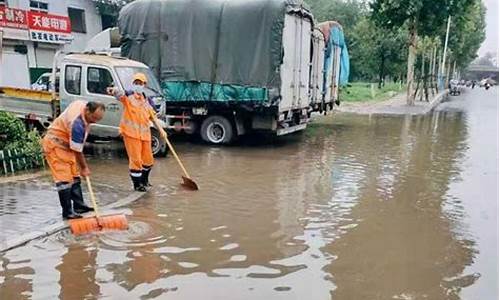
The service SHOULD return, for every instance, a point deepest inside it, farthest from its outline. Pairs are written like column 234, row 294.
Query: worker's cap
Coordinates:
column 140, row 77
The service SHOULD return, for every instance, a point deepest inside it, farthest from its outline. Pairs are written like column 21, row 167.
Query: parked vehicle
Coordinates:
column 42, row 83
column 238, row 67
column 454, row 87
column 84, row 76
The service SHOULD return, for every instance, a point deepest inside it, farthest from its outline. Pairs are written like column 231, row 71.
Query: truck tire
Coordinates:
column 217, row 130
column 158, row 146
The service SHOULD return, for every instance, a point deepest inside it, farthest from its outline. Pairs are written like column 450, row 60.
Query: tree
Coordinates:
column 423, row 17
column 109, row 10
column 467, row 32
column 348, row 13
column 488, row 59
column 377, row 52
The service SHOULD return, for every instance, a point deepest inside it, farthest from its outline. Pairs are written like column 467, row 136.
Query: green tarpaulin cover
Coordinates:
column 215, row 50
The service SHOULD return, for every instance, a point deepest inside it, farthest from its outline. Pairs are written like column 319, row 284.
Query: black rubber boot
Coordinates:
column 77, row 196
column 145, row 176
column 137, row 180
column 64, row 191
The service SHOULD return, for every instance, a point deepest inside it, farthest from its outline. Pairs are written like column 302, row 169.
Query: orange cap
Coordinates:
column 140, row 77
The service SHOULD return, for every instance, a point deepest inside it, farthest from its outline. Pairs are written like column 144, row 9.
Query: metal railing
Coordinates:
column 18, row 160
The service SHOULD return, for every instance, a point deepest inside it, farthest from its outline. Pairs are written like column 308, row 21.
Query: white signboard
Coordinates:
column 50, row 37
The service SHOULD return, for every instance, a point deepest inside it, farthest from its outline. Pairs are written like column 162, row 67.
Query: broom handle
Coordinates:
column 92, row 197
column 177, row 157
column 172, row 150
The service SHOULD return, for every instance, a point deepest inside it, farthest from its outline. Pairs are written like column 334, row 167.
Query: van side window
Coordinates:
column 72, row 80
column 98, row 80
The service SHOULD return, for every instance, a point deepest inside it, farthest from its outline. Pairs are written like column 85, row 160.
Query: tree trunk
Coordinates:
column 422, row 75
column 429, row 71
column 412, row 45
column 381, row 72
column 447, row 79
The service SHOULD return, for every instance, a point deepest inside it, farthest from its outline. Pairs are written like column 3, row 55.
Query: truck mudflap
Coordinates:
column 287, row 130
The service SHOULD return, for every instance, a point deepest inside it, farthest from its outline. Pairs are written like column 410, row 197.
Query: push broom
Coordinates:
column 97, row 222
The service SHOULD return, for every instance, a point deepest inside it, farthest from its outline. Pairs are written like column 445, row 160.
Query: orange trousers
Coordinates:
column 140, row 154
column 62, row 163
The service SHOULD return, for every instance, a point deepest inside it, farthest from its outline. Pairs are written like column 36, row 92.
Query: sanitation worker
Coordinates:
column 63, row 149
column 135, row 130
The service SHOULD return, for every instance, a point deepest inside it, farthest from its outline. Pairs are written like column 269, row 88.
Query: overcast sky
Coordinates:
column 491, row 42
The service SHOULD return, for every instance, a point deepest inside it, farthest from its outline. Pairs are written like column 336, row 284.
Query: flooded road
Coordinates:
column 357, row 207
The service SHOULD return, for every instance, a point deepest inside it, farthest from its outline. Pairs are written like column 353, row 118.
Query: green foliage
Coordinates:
column 488, row 59
column 110, row 7
column 361, row 91
column 467, row 32
column 377, row 52
column 14, row 136
column 11, row 129
column 427, row 16
column 346, row 12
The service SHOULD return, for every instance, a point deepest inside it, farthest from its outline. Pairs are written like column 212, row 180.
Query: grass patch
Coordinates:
column 361, row 92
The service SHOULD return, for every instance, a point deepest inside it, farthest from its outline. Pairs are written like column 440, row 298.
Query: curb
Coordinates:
column 388, row 109
column 434, row 102
column 61, row 225
column 22, row 177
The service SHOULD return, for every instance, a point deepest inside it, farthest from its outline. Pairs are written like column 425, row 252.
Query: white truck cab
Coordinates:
column 85, row 76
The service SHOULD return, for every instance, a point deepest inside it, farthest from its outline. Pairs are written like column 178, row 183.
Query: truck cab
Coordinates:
column 87, row 76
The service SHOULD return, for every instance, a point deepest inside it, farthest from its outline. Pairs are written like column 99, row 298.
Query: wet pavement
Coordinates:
column 27, row 206
column 357, row 207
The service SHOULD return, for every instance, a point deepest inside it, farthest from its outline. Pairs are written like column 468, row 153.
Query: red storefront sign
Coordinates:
column 13, row 18
column 49, row 23
column 36, row 26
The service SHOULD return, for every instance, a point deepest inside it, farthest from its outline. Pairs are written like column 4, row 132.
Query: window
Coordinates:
column 39, row 6
column 77, row 18
column 44, row 80
column 98, row 80
column 72, row 79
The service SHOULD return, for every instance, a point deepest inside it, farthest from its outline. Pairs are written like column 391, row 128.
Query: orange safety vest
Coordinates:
column 136, row 117
column 59, row 131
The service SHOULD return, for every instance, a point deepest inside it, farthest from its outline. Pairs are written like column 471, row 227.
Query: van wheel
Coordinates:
column 217, row 130
column 158, row 146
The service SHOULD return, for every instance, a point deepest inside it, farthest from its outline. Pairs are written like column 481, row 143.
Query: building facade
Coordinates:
column 32, row 31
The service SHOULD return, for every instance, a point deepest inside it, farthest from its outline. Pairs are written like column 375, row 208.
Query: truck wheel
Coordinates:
column 217, row 130
column 158, row 146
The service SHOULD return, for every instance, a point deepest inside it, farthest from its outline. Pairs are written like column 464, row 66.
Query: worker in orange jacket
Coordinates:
column 63, row 149
column 135, row 130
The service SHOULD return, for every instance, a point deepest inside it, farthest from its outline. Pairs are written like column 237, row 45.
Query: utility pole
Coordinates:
column 441, row 83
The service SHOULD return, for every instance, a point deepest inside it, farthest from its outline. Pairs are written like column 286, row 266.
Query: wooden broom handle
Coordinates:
column 172, row 149
column 92, row 197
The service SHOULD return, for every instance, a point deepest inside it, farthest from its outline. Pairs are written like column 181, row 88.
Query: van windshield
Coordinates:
column 126, row 74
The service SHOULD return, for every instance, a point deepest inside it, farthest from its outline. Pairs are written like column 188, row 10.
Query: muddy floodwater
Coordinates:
column 356, row 207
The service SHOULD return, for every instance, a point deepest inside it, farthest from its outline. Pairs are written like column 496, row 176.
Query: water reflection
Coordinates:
column 355, row 208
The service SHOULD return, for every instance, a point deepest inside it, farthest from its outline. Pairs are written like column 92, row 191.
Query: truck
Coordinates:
column 85, row 76
column 226, row 68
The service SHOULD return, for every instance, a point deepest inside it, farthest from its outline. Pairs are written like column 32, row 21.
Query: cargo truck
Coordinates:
column 226, row 68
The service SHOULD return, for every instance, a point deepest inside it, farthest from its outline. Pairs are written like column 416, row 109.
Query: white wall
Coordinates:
column 92, row 22
column 42, row 56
